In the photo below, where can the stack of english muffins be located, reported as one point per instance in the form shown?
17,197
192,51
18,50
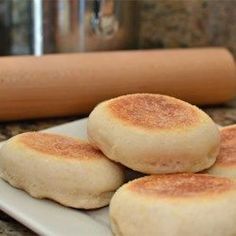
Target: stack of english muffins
166,139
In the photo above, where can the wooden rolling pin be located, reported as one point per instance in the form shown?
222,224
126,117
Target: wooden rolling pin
69,84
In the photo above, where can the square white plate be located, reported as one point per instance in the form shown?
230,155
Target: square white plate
47,217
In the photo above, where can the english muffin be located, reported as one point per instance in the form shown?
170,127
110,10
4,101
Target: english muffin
175,205
64,169
225,164
154,133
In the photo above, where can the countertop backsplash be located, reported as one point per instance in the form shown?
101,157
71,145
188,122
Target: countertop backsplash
187,23
155,24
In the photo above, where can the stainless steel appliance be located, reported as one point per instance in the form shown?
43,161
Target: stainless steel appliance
49,26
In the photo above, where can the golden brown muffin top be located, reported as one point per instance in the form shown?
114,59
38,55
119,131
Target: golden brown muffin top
153,111
59,145
227,155
181,185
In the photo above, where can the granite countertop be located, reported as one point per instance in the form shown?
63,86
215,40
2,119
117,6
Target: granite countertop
222,115
184,23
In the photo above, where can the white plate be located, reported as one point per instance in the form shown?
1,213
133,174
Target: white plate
47,217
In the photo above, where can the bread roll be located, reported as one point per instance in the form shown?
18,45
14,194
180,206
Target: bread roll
225,164
154,134
60,168
175,205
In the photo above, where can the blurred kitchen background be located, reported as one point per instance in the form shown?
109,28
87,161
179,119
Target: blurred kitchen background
53,26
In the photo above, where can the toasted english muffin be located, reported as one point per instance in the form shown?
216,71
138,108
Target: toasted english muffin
60,168
225,164
154,133
175,205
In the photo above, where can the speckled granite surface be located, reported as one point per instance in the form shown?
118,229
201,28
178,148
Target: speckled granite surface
187,23
9,129
223,115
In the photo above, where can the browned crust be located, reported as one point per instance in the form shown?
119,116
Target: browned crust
181,185
58,145
153,111
227,155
